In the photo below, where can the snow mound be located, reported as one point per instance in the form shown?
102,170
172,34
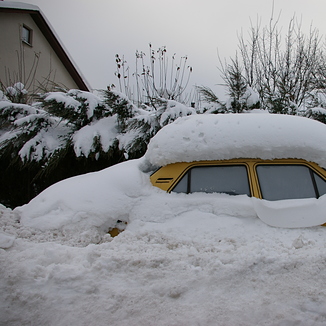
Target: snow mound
291,213
94,202
229,136
90,201
6,240
198,264
85,207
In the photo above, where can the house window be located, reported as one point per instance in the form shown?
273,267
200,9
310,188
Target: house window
26,35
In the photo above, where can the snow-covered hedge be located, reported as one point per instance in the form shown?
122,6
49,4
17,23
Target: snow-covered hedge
96,130
74,128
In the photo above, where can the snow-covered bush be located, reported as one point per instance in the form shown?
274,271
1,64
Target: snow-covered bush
246,100
30,133
317,113
16,93
147,122
72,132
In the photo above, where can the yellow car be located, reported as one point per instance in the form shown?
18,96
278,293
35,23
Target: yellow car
266,179
277,160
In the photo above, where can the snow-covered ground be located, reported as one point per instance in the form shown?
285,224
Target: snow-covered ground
195,266
198,259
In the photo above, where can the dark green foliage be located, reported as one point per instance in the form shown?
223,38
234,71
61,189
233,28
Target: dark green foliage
120,106
236,86
74,107
28,164
281,105
22,182
317,114
147,122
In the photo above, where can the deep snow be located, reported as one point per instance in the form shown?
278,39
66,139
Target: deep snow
195,266
198,259
227,136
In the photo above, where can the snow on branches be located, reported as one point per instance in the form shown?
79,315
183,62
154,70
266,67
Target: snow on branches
91,125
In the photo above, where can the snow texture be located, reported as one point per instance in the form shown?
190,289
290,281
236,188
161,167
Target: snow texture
318,110
105,130
46,141
183,260
175,110
65,98
228,136
291,213
198,259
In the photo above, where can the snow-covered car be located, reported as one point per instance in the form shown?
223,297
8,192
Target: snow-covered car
265,179
202,258
270,157
274,164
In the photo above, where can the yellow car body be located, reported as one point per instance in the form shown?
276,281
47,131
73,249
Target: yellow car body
167,177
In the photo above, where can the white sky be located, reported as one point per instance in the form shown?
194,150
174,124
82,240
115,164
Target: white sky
94,31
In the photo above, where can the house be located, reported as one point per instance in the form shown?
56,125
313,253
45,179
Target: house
32,53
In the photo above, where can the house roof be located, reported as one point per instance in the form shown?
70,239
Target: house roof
49,33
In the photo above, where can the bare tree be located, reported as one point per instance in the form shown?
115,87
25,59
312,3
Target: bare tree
156,76
283,70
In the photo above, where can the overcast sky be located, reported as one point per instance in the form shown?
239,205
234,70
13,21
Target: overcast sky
94,31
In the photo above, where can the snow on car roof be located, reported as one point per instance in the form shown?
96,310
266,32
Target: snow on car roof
230,136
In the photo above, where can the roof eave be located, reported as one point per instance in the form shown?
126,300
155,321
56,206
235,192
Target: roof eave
48,32
59,50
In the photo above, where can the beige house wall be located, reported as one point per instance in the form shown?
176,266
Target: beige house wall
20,61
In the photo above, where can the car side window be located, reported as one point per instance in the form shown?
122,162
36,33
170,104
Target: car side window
182,185
321,184
230,179
279,182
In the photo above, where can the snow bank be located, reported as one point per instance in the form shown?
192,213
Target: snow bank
6,240
81,203
197,259
292,213
221,137
95,201
180,262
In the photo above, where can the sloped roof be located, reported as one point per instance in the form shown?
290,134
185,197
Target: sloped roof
49,33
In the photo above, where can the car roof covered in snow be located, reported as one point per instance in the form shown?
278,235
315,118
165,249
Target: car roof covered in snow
229,136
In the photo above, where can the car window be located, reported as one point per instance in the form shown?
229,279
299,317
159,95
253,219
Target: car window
230,179
182,185
321,184
286,182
